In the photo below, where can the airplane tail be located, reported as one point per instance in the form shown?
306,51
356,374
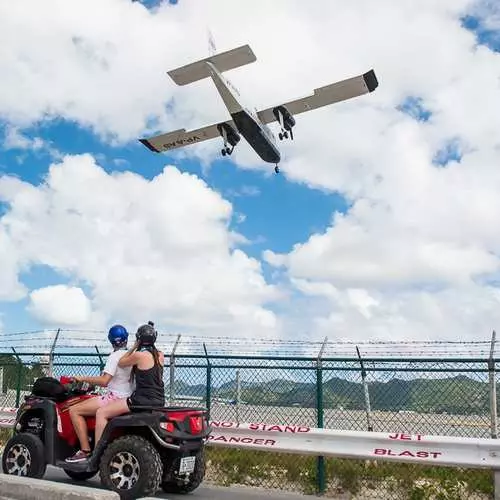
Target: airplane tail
224,61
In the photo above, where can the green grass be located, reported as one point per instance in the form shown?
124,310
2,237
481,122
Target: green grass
5,435
228,466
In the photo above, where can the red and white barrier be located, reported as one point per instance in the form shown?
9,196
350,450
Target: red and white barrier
397,447
7,416
303,440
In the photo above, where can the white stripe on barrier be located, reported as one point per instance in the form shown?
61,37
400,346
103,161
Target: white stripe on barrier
399,447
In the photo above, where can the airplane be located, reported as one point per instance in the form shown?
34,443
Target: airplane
251,124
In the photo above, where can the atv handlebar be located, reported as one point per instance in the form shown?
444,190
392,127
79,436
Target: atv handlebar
72,385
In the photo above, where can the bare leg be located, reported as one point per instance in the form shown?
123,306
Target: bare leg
114,409
78,413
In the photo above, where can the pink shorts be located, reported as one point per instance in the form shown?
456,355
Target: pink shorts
108,398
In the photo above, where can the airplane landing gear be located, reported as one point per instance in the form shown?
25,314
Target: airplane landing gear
229,136
286,121
277,169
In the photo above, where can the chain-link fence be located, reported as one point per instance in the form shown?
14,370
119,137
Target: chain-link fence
437,389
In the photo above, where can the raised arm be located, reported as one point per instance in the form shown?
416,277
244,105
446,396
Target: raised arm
129,358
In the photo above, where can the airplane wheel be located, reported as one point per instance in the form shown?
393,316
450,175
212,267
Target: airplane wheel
280,136
285,135
223,151
277,169
228,151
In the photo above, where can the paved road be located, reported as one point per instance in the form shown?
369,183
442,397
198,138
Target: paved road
202,493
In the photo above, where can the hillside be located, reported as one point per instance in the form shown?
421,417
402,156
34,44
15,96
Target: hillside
454,395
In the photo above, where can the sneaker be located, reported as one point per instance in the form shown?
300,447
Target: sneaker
79,456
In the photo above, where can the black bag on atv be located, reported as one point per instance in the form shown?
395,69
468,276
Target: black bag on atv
49,387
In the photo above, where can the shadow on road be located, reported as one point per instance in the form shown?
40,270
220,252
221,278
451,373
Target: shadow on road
202,493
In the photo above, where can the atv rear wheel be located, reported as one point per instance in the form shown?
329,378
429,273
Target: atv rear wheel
131,466
195,478
80,475
24,455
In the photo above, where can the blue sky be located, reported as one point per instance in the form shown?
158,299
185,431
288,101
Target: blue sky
290,215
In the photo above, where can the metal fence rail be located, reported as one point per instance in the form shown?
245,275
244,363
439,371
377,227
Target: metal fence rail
427,388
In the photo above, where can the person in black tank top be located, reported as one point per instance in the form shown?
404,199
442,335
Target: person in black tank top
149,386
147,374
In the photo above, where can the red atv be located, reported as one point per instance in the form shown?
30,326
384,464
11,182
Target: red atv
139,452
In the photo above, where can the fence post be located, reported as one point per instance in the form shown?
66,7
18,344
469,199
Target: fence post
208,394
493,388
101,362
51,353
19,376
367,393
172,370
320,461
238,396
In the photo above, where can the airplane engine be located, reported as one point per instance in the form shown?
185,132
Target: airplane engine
230,136
286,121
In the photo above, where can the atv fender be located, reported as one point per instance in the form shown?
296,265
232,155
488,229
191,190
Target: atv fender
46,410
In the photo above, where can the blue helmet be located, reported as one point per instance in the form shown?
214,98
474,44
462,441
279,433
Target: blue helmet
118,335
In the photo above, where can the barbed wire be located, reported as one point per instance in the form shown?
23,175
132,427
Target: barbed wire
195,344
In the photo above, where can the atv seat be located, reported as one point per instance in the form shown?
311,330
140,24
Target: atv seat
137,408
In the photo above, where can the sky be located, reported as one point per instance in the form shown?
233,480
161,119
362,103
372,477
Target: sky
382,225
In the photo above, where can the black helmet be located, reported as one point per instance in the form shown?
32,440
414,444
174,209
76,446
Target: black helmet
146,334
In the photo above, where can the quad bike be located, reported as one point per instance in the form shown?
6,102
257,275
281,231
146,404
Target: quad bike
139,452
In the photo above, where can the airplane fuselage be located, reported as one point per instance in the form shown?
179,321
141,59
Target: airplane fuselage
256,133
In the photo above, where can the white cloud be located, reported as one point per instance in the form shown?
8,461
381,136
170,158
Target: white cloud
121,162
488,11
158,249
411,225
11,289
60,305
16,140
467,312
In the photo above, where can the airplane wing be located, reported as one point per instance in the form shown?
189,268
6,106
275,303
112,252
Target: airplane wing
180,138
324,96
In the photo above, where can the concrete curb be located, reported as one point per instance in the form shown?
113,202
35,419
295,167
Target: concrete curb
27,488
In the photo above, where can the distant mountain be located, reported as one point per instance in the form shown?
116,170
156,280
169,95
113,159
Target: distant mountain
455,395
184,389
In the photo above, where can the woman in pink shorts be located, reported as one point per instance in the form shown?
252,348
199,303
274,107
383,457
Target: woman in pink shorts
119,385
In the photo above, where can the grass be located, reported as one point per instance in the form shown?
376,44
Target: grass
5,435
380,479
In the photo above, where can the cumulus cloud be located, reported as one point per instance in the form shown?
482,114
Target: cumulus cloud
418,244
60,305
16,140
460,313
159,249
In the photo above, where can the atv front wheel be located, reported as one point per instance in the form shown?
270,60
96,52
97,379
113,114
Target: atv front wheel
24,455
131,466
195,478
79,475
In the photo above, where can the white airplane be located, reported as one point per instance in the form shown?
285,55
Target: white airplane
250,124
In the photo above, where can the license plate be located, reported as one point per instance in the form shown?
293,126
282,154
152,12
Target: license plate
187,465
